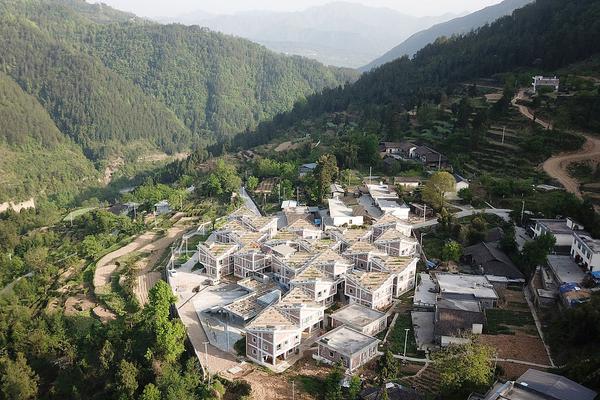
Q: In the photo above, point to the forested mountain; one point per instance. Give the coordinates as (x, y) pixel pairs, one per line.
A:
(117, 85)
(338, 33)
(542, 36)
(457, 26)
(34, 154)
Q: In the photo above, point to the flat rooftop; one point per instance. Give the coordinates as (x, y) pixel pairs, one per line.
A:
(338, 209)
(475, 285)
(565, 269)
(357, 315)
(346, 340)
(593, 244)
(556, 226)
(461, 305)
(426, 293)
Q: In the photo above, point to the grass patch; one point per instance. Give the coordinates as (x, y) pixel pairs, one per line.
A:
(500, 321)
(396, 336)
(312, 385)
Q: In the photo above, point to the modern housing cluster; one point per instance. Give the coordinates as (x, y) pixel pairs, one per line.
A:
(294, 273)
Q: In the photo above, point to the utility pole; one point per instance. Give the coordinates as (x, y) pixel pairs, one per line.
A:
(424, 217)
(522, 211)
(405, 341)
(440, 161)
(503, 132)
(370, 175)
(206, 358)
(293, 390)
(297, 196)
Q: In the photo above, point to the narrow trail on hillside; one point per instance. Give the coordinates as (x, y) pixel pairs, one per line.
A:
(557, 166)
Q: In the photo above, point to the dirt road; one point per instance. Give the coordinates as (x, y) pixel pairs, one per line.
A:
(556, 166)
(149, 243)
(526, 112)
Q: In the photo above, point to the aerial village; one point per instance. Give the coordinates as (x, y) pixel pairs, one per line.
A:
(332, 283)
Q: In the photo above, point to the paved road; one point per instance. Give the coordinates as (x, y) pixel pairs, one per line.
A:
(215, 360)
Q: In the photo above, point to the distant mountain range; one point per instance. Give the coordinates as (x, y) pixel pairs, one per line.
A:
(455, 26)
(340, 33)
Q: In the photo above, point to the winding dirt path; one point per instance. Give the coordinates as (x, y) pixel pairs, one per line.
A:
(557, 166)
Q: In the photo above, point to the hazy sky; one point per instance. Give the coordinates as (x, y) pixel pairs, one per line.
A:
(157, 8)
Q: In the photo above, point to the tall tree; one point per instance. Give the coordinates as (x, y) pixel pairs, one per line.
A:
(18, 381)
(436, 188)
(326, 173)
(169, 334)
(388, 367)
(466, 367)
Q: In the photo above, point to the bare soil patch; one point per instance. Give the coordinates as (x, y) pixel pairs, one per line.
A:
(518, 347)
(77, 304)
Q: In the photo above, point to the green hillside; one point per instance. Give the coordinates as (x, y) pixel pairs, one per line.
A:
(540, 37)
(119, 86)
(35, 157)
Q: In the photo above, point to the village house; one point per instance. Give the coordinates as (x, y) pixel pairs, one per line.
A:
(403, 269)
(272, 337)
(360, 318)
(455, 320)
(467, 287)
(217, 258)
(321, 285)
(342, 215)
(537, 385)
(299, 306)
(542, 81)
(371, 289)
(459, 184)
(361, 254)
(305, 229)
(244, 309)
(586, 252)
(389, 221)
(387, 200)
(306, 169)
(562, 231)
(288, 258)
(345, 237)
(430, 157)
(491, 261)
(408, 183)
(250, 260)
(336, 190)
(162, 207)
(395, 243)
(347, 346)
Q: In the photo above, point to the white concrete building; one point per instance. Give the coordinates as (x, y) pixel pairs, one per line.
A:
(272, 337)
(371, 289)
(541, 81)
(348, 346)
(342, 215)
(360, 318)
(586, 251)
(561, 229)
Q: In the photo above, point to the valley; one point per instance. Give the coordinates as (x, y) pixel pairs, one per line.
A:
(188, 215)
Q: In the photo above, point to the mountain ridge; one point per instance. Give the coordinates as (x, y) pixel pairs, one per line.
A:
(337, 33)
(456, 26)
